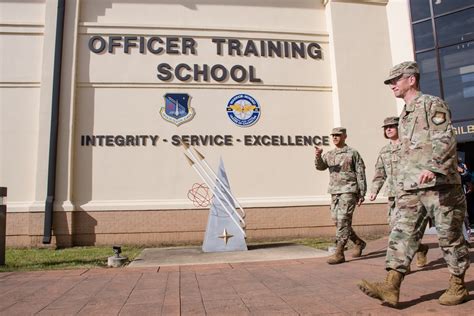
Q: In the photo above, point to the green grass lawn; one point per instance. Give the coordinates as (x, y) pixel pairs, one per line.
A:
(318, 242)
(68, 258)
(96, 257)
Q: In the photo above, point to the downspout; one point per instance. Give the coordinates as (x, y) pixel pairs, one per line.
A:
(53, 136)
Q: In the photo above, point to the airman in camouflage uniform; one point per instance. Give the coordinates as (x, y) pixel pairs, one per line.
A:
(385, 169)
(347, 187)
(386, 172)
(428, 186)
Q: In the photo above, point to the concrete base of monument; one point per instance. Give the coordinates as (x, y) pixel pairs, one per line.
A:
(154, 257)
(116, 262)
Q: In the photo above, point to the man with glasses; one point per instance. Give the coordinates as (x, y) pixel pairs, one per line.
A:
(386, 172)
(428, 186)
(347, 186)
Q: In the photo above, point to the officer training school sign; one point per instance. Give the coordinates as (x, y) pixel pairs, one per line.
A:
(184, 72)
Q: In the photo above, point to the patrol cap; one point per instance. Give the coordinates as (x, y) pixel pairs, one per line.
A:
(405, 68)
(391, 120)
(338, 131)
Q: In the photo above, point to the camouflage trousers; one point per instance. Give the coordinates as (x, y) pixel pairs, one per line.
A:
(393, 213)
(446, 206)
(342, 208)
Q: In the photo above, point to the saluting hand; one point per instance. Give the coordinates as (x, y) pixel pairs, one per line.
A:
(318, 151)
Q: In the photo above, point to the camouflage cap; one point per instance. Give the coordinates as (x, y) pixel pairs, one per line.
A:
(391, 120)
(338, 131)
(405, 68)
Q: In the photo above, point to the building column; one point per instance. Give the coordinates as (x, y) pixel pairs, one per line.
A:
(360, 60)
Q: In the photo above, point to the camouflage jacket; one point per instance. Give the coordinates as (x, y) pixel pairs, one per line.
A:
(427, 143)
(346, 171)
(385, 170)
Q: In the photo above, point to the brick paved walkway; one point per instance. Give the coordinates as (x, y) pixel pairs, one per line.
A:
(290, 287)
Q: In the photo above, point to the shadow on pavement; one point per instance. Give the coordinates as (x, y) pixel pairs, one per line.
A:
(270, 245)
(371, 255)
(434, 296)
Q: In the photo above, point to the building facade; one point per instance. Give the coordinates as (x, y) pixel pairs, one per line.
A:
(443, 34)
(97, 95)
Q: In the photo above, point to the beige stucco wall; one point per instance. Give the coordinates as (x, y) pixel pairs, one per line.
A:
(23, 68)
(401, 41)
(118, 94)
(361, 49)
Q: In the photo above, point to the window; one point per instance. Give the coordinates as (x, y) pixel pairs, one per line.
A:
(429, 82)
(420, 9)
(444, 6)
(423, 35)
(443, 35)
(457, 69)
(455, 28)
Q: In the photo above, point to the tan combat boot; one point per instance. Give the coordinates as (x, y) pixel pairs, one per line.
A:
(421, 253)
(456, 293)
(387, 291)
(359, 245)
(338, 256)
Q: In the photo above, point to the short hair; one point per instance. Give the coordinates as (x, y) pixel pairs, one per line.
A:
(417, 77)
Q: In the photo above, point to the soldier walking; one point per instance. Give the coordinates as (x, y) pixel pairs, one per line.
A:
(347, 186)
(385, 172)
(429, 186)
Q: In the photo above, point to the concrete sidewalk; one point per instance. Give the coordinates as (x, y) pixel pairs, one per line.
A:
(184, 256)
(285, 287)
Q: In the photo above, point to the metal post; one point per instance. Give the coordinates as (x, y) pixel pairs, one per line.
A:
(3, 224)
(53, 136)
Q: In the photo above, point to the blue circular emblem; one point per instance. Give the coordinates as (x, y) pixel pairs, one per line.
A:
(243, 110)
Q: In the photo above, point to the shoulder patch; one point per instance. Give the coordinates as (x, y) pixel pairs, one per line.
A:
(439, 118)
